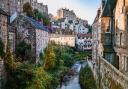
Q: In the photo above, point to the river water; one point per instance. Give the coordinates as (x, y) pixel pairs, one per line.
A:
(73, 82)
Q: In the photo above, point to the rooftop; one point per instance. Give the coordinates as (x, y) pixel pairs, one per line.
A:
(3, 12)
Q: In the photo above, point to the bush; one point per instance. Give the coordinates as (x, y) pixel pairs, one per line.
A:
(49, 58)
(29, 77)
(27, 8)
(23, 50)
(86, 79)
(1, 48)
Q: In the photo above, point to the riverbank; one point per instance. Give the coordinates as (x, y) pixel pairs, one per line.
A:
(86, 78)
(54, 63)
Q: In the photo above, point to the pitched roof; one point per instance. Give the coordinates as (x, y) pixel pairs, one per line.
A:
(3, 12)
(108, 7)
(37, 24)
(84, 35)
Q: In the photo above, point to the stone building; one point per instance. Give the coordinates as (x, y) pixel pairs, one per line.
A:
(84, 42)
(62, 37)
(4, 5)
(33, 33)
(83, 37)
(12, 38)
(96, 36)
(3, 27)
(109, 63)
(103, 30)
(121, 35)
(3, 38)
(63, 13)
(40, 6)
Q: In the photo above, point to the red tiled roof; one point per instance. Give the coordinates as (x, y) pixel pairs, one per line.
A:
(84, 35)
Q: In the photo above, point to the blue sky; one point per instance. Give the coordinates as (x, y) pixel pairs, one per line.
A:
(85, 9)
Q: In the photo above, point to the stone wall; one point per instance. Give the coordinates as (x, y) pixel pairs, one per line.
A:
(107, 76)
(2, 74)
(111, 78)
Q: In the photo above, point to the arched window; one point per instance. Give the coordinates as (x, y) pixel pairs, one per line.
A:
(120, 39)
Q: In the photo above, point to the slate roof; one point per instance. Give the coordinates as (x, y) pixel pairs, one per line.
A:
(37, 24)
(108, 7)
(84, 35)
(3, 12)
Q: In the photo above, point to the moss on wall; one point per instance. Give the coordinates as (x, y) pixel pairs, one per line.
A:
(113, 84)
(110, 83)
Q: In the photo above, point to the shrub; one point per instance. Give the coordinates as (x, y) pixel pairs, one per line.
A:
(1, 48)
(27, 8)
(23, 51)
(49, 58)
(86, 79)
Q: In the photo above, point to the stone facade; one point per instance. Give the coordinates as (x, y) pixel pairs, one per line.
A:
(33, 33)
(63, 13)
(3, 37)
(4, 5)
(3, 27)
(96, 36)
(121, 35)
(109, 28)
(2, 75)
(41, 42)
(62, 37)
(83, 37)
(40, 6)
(68, 40)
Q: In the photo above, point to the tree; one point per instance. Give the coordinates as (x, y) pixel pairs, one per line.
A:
(46, 21)
(23, 51)
(27, 8)
(50, 58)
(10, 61)
(41, 17)
(1, 48)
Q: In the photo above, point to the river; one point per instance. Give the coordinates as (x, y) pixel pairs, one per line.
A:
(73, 81)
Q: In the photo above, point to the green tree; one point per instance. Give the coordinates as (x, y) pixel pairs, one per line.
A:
(27, 8)
(41, 17)
(46, 21)
(50, 58)
(1, 48)
(10, 62)
(23, 51)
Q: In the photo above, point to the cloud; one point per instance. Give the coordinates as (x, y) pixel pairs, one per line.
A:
(82, 8)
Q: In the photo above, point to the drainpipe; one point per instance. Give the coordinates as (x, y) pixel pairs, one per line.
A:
(99, 74)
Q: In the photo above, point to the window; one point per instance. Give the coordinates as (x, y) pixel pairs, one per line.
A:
(124, 2)
(127, 22)
(127, 65)
(120, 39)
(108, 29)
(116, 38)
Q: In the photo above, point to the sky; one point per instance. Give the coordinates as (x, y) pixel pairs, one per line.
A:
(85, 9)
